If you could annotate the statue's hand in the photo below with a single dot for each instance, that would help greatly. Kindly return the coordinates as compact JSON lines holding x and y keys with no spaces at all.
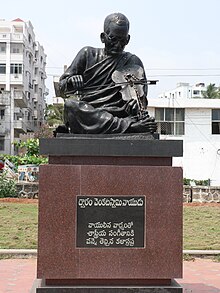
{"x":76,"y":82}
{"x":131,"y":107}
{"x":146,"y":124}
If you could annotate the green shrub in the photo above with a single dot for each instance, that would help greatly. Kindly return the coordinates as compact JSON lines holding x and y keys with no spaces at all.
{"x":25,"y":159}
{"x":187,"y":181}
{"x":31,"y":155}
{"x":7,"y":186}
{"x":31,"y":146}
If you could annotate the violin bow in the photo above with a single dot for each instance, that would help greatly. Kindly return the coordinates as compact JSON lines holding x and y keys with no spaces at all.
{"x":142,"y":82}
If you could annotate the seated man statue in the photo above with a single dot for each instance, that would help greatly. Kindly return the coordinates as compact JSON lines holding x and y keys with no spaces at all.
{"x":100,"y":107}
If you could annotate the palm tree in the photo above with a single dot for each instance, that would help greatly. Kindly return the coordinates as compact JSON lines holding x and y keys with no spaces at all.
{"x":212,"y":92}
{"x":54,"y":115}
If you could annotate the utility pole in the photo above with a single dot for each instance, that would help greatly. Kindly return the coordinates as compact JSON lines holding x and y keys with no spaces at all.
{"x":12,"y":134}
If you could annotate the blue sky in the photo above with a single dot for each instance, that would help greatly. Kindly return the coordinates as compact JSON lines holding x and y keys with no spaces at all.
{"x":177,"y":40}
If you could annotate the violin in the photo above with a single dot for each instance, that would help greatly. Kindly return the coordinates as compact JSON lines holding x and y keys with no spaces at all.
{"x":132,"y":82}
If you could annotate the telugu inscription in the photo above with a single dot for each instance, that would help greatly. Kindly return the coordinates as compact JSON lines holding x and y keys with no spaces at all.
{"x":110,"y":222}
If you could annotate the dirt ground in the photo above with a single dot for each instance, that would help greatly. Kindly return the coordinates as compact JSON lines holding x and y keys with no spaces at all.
{"x":27,"y":200}
{"x":206,"y":204}
{"x":18,"y":200}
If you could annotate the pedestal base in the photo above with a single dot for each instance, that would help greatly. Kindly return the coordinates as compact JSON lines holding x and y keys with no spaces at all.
{"x":40,"y":287}
{"x":138,"y":248}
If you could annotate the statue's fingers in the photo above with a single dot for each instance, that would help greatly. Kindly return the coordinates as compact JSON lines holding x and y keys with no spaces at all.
{"x":77,"y":81}
{"x":80,"y":81}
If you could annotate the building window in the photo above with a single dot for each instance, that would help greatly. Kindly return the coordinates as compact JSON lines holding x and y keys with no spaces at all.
{"x":2,"y":144}
{"x":2,"y":114}
{"x":2,"y":68}
{"x":35,"y":88}
{"x":29,"y":38}
{"x":16,"y":69}
{"x":196,"y":92}
{"x":215,"y":121}
{"x":170,"y":121}
{"x":2,"y":48}
{"x":16,"y":48}
{"x":30,"y":59}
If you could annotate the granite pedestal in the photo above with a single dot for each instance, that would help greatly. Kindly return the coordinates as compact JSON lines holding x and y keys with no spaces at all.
{"x":110,"y":215}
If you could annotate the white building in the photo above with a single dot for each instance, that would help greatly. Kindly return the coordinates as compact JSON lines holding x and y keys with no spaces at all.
{"x":22,"y":82}
{"x":196,"y":121}
{"x":185,"y":90}
{"x":57,"y":100}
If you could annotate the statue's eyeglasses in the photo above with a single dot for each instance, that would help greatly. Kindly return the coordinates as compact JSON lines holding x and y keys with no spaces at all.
{"x":114,"y":40}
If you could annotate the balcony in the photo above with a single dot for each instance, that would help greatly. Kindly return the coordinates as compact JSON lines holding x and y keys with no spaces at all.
{"x":35,"y":114}
{"x":17,"y":57}
{"x":30,"y":125}
{"x":2,"y":77}
{"x":18,"y":37}
{"x":35,"y":97}
{"x":4,"y":36}
{"x":18,"y":112}
{"x":47,"y":91}
{"x":20,"y":99}
{"x":20,"y":126}
{"x":37,"y":79}
{"x":2,"y":128}
{"x":4,"y":99}
{"x":16,"y":78}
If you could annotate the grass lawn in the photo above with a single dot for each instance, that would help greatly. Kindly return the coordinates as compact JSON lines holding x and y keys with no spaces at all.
{"x":18,"y":226}
{"x":201,"y":227}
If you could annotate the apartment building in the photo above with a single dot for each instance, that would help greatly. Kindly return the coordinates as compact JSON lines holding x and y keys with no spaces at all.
{"x":183,"y":114}
{"x":185,"y":90}
{"x":22,"y":82}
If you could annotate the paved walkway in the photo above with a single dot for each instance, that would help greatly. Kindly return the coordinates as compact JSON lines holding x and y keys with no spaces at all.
{"x":200,"y":276}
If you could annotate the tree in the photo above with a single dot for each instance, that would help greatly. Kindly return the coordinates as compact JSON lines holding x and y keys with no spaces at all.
{"x":54,"y":114}
{"x":45,"y":131}
{"x":212,"y":92}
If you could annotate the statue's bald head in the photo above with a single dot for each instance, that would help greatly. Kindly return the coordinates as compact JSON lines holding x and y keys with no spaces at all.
{"x":116,"y":18}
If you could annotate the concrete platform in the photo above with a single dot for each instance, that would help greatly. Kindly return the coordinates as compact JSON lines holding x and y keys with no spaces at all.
{"x":199,"y":276}
{"x":40,"y":287}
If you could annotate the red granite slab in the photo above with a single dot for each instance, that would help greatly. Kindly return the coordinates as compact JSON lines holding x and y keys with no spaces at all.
{"x":58,"y":257}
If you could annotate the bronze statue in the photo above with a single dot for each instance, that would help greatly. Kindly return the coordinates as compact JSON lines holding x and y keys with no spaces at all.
{"x":101,"y":78}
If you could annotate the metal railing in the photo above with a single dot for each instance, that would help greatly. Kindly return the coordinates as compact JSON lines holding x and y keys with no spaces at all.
{"x":20,"y":99}
{"x":20,"y":125}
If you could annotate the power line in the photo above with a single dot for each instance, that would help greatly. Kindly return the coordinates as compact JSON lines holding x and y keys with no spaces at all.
{"x":160,"y":75}
{"x":162,"y":69}
{"x":155,"y":68}
{"x":182,"y":75}
{"x":58,"y":67}
{"x":190,"y":69}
